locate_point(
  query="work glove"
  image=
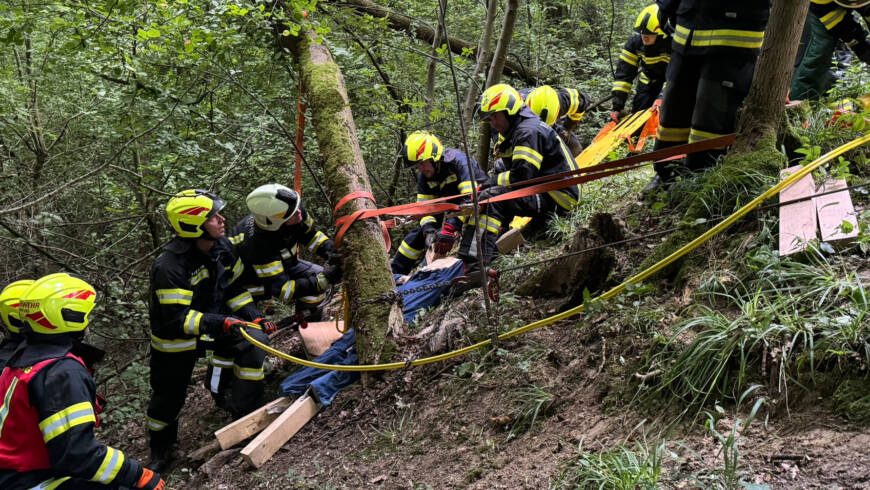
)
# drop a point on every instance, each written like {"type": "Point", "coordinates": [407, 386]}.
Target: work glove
{"type": "Point", "coordinates": [332, 272]}
{"type": "Point", "coordinates": [267, 325]}
{"type": "Point", "coordinates": [445, 239]}
{"type": "Point", "coordinates": [231, 324]}
{"type": "Point", "coordinates": [150, 480]}
{"type": "Point", "coordinates": [614, 116]}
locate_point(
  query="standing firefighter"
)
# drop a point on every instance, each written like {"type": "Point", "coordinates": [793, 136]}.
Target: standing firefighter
{"type": "Point", "coordinates": [195, 291]}
{"type": "Point", "coordinates": [530, 149]}
{"type": "Point", "coordinates": [268, 240]}
{"type": "Point", "coordinates": [49, 400]}
{"type": "Point", "coordinates": [715, 46]}
{"type": "Point", "coordinates": [442, 172]}
{"type": "Point", "coordinates": [12, 323]}
{"type": "Point", "coordinates": [647, 52]}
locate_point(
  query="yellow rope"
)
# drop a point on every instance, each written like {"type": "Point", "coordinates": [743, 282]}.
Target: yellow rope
{"type": "Point", "coordinates": [607, 295]}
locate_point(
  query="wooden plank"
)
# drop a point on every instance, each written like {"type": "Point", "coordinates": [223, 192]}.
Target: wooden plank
{"type": "Point", "coordinates": [236, 432]}
{"type": "Point", "coordinates": [797, 222]}
{"type": "Point", "coordinates": [833, 210]}
{"type": "Point", "coordinates": [318, 336]}
{"type": "Point", "coordinates": [510, 241]}
{"type": "Point", "coordinates": [280, 431]}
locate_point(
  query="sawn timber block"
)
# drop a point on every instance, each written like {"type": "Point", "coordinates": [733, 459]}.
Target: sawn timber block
{"type": "Point", "coordinates": [510, 241]}
{"type": "Point", "coordinates": [261, 449]}
{"type": "Point", "coordinates": [797, 222]}
{"type": "Point", "coordinates": [236, 432]}
{"type": "Point", "coordinates": [833, 210]}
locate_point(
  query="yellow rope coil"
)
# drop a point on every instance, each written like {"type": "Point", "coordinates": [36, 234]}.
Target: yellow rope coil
{"type": "Point", "coordinates": [607, 295]}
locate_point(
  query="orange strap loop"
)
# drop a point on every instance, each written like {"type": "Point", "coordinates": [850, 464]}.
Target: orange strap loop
{"type": "Point", "coordinates": [649, 128]}
{"type": "Point", "coordinates": [345, 221]}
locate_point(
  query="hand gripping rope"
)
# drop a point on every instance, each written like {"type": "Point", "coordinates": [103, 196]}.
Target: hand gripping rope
{"type": "Point", "coordinates": [724, 224]}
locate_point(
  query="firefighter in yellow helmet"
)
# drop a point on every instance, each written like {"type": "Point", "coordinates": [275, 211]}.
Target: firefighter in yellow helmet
{"type": "Point", "coordinates": [560, 108]}
{"type": "Point", "coordinates": [196, 302]}
{"type": "Point", "coordinates": [441, 172]}
{"type": "Point", "coordinates": [49, 400]}
{"type": "Point", "coordinates": [10, 297]}
{"type": "Point", "coordinates": [644, 56]}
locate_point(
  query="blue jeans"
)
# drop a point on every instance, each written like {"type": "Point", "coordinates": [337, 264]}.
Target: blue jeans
{"type": "Point", "coordinates": [325, 383]}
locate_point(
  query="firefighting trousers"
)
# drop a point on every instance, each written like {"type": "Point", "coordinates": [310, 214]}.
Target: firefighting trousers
{"type": "Point", "coordinates": [812, 76]}
{"type": "Point", "coordinates": [646, 94]}
{"type": "Point", "coordinates": [700, 102]}
{"type": "Point", "coordinates": [311, 306]}
{"type": "Point", "coordinates": [234, 378]}
{"type": "Point", "coordinates": [413, 248]}
{"type": "Point", "coordinates": [497, 217]}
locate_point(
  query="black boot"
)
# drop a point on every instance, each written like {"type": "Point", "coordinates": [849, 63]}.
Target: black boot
{"type": "Point", "coordinates": [162, 460]}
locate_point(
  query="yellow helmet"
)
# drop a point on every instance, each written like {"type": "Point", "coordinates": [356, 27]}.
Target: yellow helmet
{"type": "Point", "coordinates": [544, 101]}
{"type": "Point", "coordinates": [499, 97]}
{"type": "Point", "coordinates": [190, 209]}
{"type": "Point", "coordinates": [10, 297]}
{"type": "Point", "coordinates": [56, 304]}
{"type": "Point", "coordinates": [852, 3]}
{"type": "Point", "coordinates": [648, 21]}
{"type": "Point", "coordinates": [421, 146]}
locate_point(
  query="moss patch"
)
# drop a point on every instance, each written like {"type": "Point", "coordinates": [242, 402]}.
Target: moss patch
{"type": "Point", "coordinates": [852, 400]}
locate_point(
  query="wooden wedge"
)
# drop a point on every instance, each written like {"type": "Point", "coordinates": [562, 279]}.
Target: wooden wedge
{"type": "Point", "coordinates": [236, 432]}
{"type": "Point", "coordinates": [279, 431]}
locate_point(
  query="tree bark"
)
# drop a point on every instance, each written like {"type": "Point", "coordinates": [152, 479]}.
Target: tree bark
{"type": "Point", "coordinates": [427, 34]}
{"type": "Point", "coordinates": [366, 268]}
{"type": "Point", "coordinates": [484, 53]}
{"type": "Point", "coordinates": [432, 67]}
{"type": "Point", "coordinates": [501, 50]}
{"type": "Point", "coordinates": [764, 107]}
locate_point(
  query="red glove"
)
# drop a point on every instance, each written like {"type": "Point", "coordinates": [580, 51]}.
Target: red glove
{"type": "Point", "coordinates": [615, 116]}
{"type": "Point", "coordinates": [232, 323]}
{"type": "Point", "coordinates": [267, 325]}
{"type": "Point", "coordinates": [150, 480]}
{"type": "Point", "coordinates": [445, 239]}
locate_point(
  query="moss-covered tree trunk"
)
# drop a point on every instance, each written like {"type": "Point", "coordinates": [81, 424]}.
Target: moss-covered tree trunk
{"type": "Point", "coordinates": [735, 180]}
{"type": "Point", "coordinates": [366, 266]}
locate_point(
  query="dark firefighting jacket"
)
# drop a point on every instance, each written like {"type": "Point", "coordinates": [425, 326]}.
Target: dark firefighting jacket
{"type": "Point", "coordinates": [48, 416]}
{"type": "Point", "coordinates": [701, 27]}
{"type": "Point", "coordinates": [451, 178]}
{"type": "Point", "coordinates": [269, 255]}
{"type": "Point", "coordinates": [532, 149]}
{"type": "Point", "coordinates": [840, 22]}
{"type": "Point", "coordinates": [650, 61]}
{"type": "Point", "coordinates": [192, 293]}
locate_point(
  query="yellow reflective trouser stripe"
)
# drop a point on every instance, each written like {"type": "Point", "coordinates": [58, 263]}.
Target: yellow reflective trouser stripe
{"type": "Point", "coordinates": [487, 223]}
{"type": "Point", "coordinates": [425, 197]}
{"type": "Point", "coordinates": [4, 410]}
{"type": "Point", "coordinates": [221, 362]}
{"type": "Point", "coordinates": [174, 296]}
{"type": "Point", "coordinates": [681, 34]}
{"type": "Point", "coordinates": [57, 424]}
{"type": "Point", "coordinates": [172, 345]}
{"type": "Point", "coordinates": [409, 251]}
{"type": "Point", "coordinates": [622, 87]}
{"type": "Point", "coordinates": [832, 18]}
{"type": "Point", "coordinates": [191, 322]}
{"type": "Point", "coordinates": [288, 290]}
{"type": "Point", "coordinates": [198, 277]}
{"type": "Point", "coordinates": [574, 103]}
{"type": "Point", "coordinates": [313, 300]}
{"type": "Point", "coordinates": [721, 37]}
{"type": "Point", "coordinates": [427, 219]}
{"type": "Point", "coordinates": [111, 465]}
{"type": "Point", "coordinates": [504, 178]}
{"type": "Point", "coordinates": [465, 187]}
{"type": "Point", "coordinates": [237, 239]}
{"type": "Point", "coordinates": [672, 134]}
{"type": "Point", "coordinates": [628, 57]}
{"type": "Point", "coordinates": [238, 268]}
{"type": "Point", "coordinates": [51, 483]}
{"type": "Point", "coordinates": [270, 269]}
{"type": "Point", "coordinates": [239, 301]}
{"type": "Point", "coordinates": [322, 283]}
{"type": "Point", "coordinates": [248, 374]}
{"type": "Point", "coordinates": [154, 424]}
{"type": "Point", "coordinates": [529, 155]}
{"type": "Point", "coordinates": [698, 135]}
{"type": "Point", "coordinates": [563, 199]}
{"type": "Point", "coordinates": [317, 241]}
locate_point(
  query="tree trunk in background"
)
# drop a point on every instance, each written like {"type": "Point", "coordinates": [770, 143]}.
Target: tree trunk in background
{"type": "Point", "coordinates": [484, 53]}
{"type": "Point", "coordinates": [507, 32]}
{"type": "Point", "coordinates": [366, 266]}
{"type": "Point", "coordinates": [431, 69]}
{"type": "Point", "coordinates": [427, 34]}
{"type": "Point", "coordinates": [764, 107]}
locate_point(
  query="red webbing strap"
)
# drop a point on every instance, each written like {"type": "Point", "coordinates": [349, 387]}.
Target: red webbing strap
{"type": "Point", "coordinates": [345, 221]}
{"type": "Point", "coordinates": [552, 186]}
{"type": "Point", "coordinates": [300, 129]}
{"type": "Point", "coordinates": [606, 129]}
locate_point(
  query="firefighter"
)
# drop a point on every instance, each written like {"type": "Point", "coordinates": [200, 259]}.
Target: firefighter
{"type": "Point", "coordinates": [534, 150]}
{"type": "Point", "coordinates": [715, 45]}
{"type": "Point", "coordinates": [268, 240]}
{"type": "Point", "coordinates": [49, 400]}
{"type": "Point", "coordinates": [441, 172]}
{"type": "Point", "coordinates": [560, 108]}
{"type": "Point", "coordinates": [12, 323]}
{"type": "Point", "coordinates": [827, 21]}
{"type": "Point", "coordinates": [646, 53]}
{"type": "Point", "coordinates": [197, 302]}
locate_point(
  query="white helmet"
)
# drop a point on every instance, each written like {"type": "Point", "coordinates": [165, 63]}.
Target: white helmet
{"type": "Point", "coordinates": [272, 205]}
